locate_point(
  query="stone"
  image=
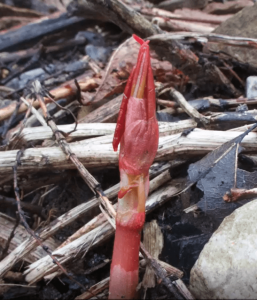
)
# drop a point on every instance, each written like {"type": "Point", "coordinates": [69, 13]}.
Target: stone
{"type": "Point", "coordinates": [251, 87]}
{"type": "Point", "coordinates": [230, 7]}
{"type": "Point", "coordinates": [226, 267]}
{"type": "Point", "coordinates": [242, 24]}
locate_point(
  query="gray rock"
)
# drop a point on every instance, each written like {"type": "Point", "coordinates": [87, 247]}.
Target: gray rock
{"type": "Point", "coordinates": [243, 24]}
{"type": "Point", "coordinates": [251, 87]}
{"type": "Point", "coordinates": [226, 267]}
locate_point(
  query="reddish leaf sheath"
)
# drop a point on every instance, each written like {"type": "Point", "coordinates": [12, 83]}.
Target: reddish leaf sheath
{"type": "Point", "coordinates": [138, 135]}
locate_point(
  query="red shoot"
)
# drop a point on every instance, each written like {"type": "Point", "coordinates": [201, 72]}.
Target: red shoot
{"type": "Point", "coordinates": [138, 135]}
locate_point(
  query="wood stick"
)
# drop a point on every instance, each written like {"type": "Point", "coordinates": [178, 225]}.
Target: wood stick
{"type": "Point", "coordinates": [58, 93]}
{"type": "Point", "coordinates": [183, 289]}
{"type": "Point", "coordinates": [95, 289]}
{"type": "Point", "coordinates": [8, 10]}
{"type": "Point", "coordinates": [115, 11]}
{"type": "Point", "coordinates": [162, 274]}
{"type": "Point", "coordinates": [185, 15]}
{"type": "Point", "coordinates": [6, 225]}
{"type": "Point", "coordinates": [85, 130]}
{"type": "Point", "coordinates": [170, 269]}
{"type": "Point", "coordinates": [36, 30]}
{"type": "Point", "coordinates": [178, 25]}
{"type": "Point", "coordinates": [28, 245]}
{"type": "Point", "coordinates": [100, 219]}
{"type": "Point", "coordinates": [204, 38]}
{"type": "Point", "coordinates": [107, 112]}
{"type": "Point", "coordinates": [35, 112]}
{"type": "Point", "coordinates": [189, 109]}
{"type": "Point", "coordinates": [243, 128]}
{"type": "Point", "coordinates": [197, 142]}
{"type": "Point", "coordinates": [43, 267]}
{"type": "Point", "coordinates": [32, 208]}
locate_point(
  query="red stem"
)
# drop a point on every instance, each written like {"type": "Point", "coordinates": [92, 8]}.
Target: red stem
{"type": "Point", "coordinates": [124, 269]}
{"type": "Point", "coordinates": [130, 219]}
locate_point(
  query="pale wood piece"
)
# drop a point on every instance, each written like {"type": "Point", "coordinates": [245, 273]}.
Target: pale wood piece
{"type": "Point", "coordinates": [205, 38]}
{"type": "Point", "coordinates": [6, 226]}
{"type": "Point", "coordinates": [100, 219]}
{"type": "Point", "coordinates": [178, 25]}
{"type": "Point", "coordinates": [189, 109]}
{"type": "Point", "coordinates": [197, 142]}
{"type": "Point", "coordinates": [40, 268]}
{"type": "Point", "coordinates": [95, 289]}
{"type": "Point", "coordinates": [183, 289]}
{"type": "Point", "coordinates": [86, 130]}
{"type": "Point", "coordinates": [153, 242]}
{"type": "Point", "coordinates": [29, 244]}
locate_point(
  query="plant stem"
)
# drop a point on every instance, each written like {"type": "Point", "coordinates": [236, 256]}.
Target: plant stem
{"type": "Point", "coordinates": [129, 222]}
{"type": "Point", "coordinates": [137, 133]}
{"type": "Point", "coordinates": [125, 264]}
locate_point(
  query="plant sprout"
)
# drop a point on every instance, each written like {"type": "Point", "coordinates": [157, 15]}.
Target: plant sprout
{"type": "Point", "coordinates": [137, 133]}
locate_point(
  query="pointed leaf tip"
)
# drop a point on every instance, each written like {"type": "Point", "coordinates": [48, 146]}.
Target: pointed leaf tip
{"type": "Point", "coordinates": [139, 40]}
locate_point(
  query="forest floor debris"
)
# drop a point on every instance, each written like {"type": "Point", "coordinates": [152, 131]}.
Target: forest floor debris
{"type": "Point", "coordinates": [77, 57]}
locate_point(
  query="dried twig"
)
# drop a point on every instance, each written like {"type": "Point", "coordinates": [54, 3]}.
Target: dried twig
{"type": "Point", "coordinates": [58, 93]}
{"type": "Point", "coordinates": [205, 38]}
{"type": "Point", "coordinates": [230, 69]}
{"type": "Point", "coordinates": [178, 25]}
{"type": "Point", "coordinates": [28, 245]}
{"type": "Point", "coordinates": [16, 137]}
{"type": "Point", "coordinates": [98, 152]}
{"type": "Point", "coordinates": [8, 124]}
{"type": "Point", "coordinates": [35, 112]}
{"type": "Point", "coordinates": [95, 289]}
{"type": "Point", "coordinates": [7, 244]}
{"type": "Point", "coordinates": [34, 209]}
{"type": "Point", "coordinates": [236, 194]}
{"type": "Point", "coordinates": [85, 130]}
{"type": "Point", "coordinates": [38, 93]}
{"type": "Point", "coordinates": [160, 272]}
{"type": "Point", "coordinates": [45, 266]}
{"type": "Point", "coordinates": [192, 112]}
{"type": "Point", "coordinates": [29, 230]}
{"type": "Point", "coordinates": [155, 183]}
{"type": "Point", "coordinates": [20, 235]}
